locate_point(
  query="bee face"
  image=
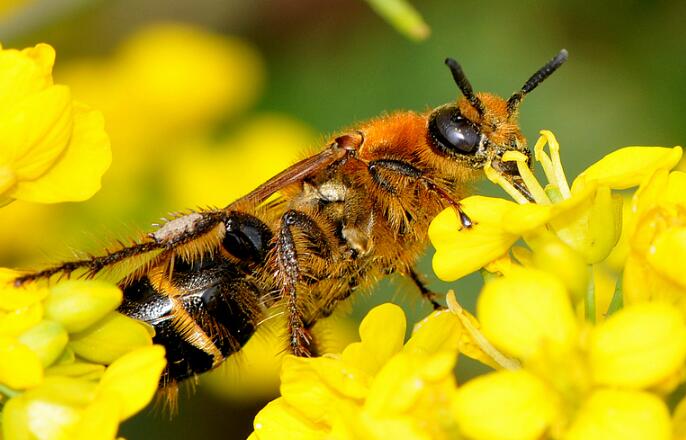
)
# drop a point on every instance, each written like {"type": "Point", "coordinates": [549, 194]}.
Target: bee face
{"type": "Point", "coordinates": [459, 132]}
{"type": "Point", "coordinates": [480, 128]}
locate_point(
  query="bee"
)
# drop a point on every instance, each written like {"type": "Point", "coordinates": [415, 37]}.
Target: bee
{"type": "Point", "coordinates": [306, 239]}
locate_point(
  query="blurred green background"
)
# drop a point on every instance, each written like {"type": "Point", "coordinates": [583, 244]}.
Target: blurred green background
{"type": "Point", "coordinates": [204, 99]}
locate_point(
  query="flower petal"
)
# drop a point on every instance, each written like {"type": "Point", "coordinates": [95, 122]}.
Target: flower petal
{"type": "Point", "coordinates": [133, 379]}
{"type": "Point", "coordinates": [278, 419]}
{"type": "Point", "coordinates": [23, 73]}
{"type": "Point", "coordinates": [302, 388]}
{"type": "Point", "coordinates": [78, 304]}
{"type": "Point", "coordinates": [76, 175]}
{"type": "Point", "coordinates": [639, 346]}
{"type": "Point", "coordinates": [460, 251]}
{"type": "Point", "coordinates": [48, 340]}
{"type": "Point", "coordinates": [382, 333]}
{"type": "Point", "coordinates": [527, 312]}
{"type": "Point", "coordinates": [35, 132]}
{"type": "Point", "coordinates": [20, 367]}
{"type": "Point", "coordinates": [621, 415]}
{"type": "Point", "coordinates": [668, 255]}
{"type": "Point", "coordinates": [629, 166]}
{"type": "Point", "coordinates": [508, 404]}
{"type": "Point", "coordinates": [440, 331]}
{"type": "Point", "coordinates": [110, 338]}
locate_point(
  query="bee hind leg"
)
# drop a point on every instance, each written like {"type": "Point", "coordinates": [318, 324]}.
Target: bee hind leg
{"type": "Point", "coordinates": [289, 261]}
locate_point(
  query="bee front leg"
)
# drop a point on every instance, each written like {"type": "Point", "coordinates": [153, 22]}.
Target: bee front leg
{"type": "Point", "coordinates": [291, 262]}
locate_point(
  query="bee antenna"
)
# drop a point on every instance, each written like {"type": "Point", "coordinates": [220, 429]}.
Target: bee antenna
{"type": "Point", "coordinates": [537, 78]}
{"type": "Point", "coordinates": [464, 85]}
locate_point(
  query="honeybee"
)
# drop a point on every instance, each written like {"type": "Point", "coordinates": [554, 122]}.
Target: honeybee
{"type": "Point", "coordinates": [309, 237]}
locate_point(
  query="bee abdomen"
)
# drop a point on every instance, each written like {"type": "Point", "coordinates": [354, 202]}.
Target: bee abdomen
{"type": "Point", "coordinates": [207, 313]}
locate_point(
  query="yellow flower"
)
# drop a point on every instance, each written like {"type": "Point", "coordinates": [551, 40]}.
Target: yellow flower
{"type": "Point", "coordinates": [68, 408]}
{"type": "Point", "coordinates": [586, 217]}
{"type": "Point", "coordinates": [48, 391]}
{"type": "Point", "coordinates": [656, 239]}
{"type": "Point", "coordinates": [376, 388]}
{"type": "Point", "coordinates": [54, 149]}
{"type": "Point", "coordinates": [575, 376]}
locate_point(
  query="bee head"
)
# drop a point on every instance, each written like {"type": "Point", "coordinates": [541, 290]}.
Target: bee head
{"type": "Point", "coordinates": [481, 127]}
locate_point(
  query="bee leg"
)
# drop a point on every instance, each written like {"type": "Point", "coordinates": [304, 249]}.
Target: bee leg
{"type": "Point", "coordinates": [93, 265]}
{"type": "Point", "coordinates": [289, 263]}
{"type": "Point", "coordinates": [176, 232]}
{"type": "Point", "coordinates": [465, 221]}
{"type": "Point", "coordinates": [426, 293]}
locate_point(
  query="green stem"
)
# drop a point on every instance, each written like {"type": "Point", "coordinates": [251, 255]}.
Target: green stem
{"type": "Point", "coordinates": [9, 392]}
{"type": "Point", "coordinates": [590, 298]}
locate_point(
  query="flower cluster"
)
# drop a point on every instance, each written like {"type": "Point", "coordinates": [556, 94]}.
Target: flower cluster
{"type": "Point", "coordinates": [70, 365]}
{"type": "Point", "coordinates": [375, 388]}
{"type": "Point", "coordinates": [582, 316]}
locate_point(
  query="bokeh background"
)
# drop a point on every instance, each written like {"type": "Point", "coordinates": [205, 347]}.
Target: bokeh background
{"type": "Point", "coordinates": [204, 99]}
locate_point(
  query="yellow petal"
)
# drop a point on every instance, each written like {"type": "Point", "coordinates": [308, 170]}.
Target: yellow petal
{"type": "Point", "coordinates": [110, 338]}
{"type": "Point", "coordinates": [98, 421]}
{"type": "Point", "coordinates": [552, 255]}
{"type": "Point", "coordinates": [505, 405]}
{"type": "Point", "coordinates": [77, 370]}
{"type": "Point", "coordinates": [621, 415]}
{"type": "Point", "coordinates": [78, 304]}
{"type": "Point", "coordinates": [676, 188]}
{"type": "Point", "coordinates": [460, 251]}
{"type": "Point", "coordinates": [382, 333]}
{"type": "Point", "coordinates": [278, 420]}
{"type": "Point", "coordinates": [314, 385]}
{"type": "Point", "coordinates": [133, 379]}
{"type": "Point", "coordinates": [36, 132]}
{"type": "Point", "coordinates": [527, 312]}
{"type": "Point", "coordinates": [49, 411]}
{"type": "Point", "coordinates": [48, 340]}
{"type": "Point", "coordinates": [604, 225]}
{"type": "Point", "coordinates": [17, 321]}
{"type": "Point", "coordinates": [20, 367]}
{"type": "Point", "coordinates": [26, 418]}
{"type": "Point", "coordinates": [400, 388]}
{"type": "Point", "coordinates": [440, 331]}
{"type": "Point", "coordinates": [668, 255]}
{"type": "Point", "coordinates": [13, 298]}
{"type": "Point", "coordinates": [639, 346]}
{"type": "Point", "coordinates": [26, 72]}
{"type": "Point", "coordinates": [76, 175]}
{"type": "Point", "coordinates": [629, 166]}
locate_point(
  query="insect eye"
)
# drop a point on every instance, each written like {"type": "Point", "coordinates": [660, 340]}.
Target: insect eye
{"type": "Point", "coordinates": [452, 133]}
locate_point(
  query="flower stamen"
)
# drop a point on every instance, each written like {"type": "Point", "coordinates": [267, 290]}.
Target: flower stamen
{"type": "Point", "coordinates": [552, 165]}
{"type": "Point", "coordinates": [478, 337]}
{"type": "Point", "coordinates": [535, 188]}
{"type": "Point", "coordinates": [500, 180]}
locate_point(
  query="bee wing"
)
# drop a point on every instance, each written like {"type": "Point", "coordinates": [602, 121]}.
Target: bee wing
{"type": "Point", "coordinates": [300, 170]}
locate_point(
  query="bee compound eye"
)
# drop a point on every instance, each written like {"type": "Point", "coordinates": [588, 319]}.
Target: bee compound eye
{"type": "Point", "coordinates": [452, 133]}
